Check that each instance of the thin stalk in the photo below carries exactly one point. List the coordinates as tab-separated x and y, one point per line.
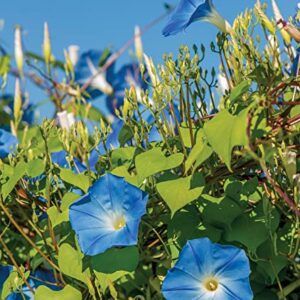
12	220
117	54
21	273
188	112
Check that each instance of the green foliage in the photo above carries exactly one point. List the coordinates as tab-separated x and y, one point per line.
224	167
154	161
179	192
231	130
68	293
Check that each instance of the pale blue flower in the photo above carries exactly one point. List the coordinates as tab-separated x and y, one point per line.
189	11
108	215
207	271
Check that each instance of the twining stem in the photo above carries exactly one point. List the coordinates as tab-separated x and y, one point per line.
12	220
188	113
289	289
158	236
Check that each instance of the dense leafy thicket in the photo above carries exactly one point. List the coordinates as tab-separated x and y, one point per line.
98	203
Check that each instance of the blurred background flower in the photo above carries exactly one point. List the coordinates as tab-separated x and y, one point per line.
8	143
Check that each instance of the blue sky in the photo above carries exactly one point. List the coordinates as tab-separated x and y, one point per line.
100	23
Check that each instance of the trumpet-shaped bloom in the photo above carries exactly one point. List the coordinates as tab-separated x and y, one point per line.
87	71
108	215
8	143
209	271
189	11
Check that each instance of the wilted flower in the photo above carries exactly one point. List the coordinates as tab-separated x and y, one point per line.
87	71
8	143
66	120
108	215
189	11
209	271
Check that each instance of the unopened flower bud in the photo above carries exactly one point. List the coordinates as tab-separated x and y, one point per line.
293	32
126	107
151	70
18	102
222	84
19	49
47	44
68	62
264	19
290	163
138	44
65	120
103	126
73	51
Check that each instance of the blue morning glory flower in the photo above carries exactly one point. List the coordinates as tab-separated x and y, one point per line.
209	271
86	67
108	215
8	143
189	11
129	75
